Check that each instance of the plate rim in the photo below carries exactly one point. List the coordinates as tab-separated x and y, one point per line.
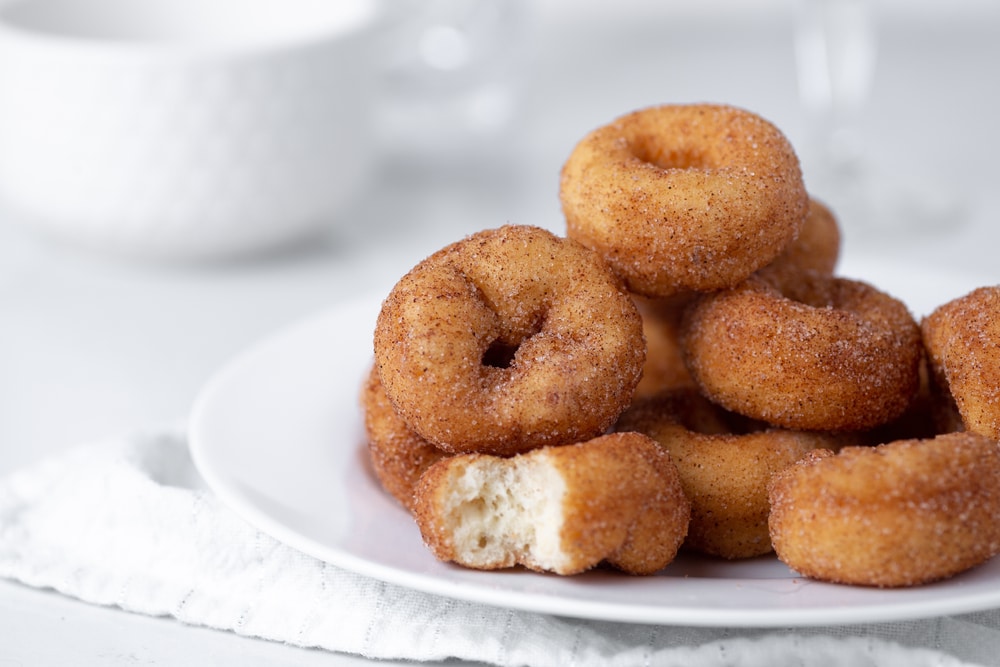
973	598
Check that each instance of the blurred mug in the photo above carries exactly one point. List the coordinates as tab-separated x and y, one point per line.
184	128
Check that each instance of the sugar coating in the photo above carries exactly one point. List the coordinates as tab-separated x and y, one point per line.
684	197
824	353
398	455
725	465
508	340
661	322
901	514
816	248
962	338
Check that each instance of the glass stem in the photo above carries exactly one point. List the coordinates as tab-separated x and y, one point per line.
836	44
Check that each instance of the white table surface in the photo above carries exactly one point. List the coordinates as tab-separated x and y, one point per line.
92	347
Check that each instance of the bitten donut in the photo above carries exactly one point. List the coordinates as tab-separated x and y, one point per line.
614	499
725	464
901	514
684	197
398	455
962	338
508	340
819	353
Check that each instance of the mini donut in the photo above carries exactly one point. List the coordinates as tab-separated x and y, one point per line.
508	340
398	455
817	247
684	197
930	413
900	514
661	324
962	338
819	353
725	463
615	499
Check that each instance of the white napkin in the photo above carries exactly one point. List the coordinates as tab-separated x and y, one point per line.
128	523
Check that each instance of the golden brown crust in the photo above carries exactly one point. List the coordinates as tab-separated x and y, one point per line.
817	247
508	340
661	324
622	504
962	338
929	414
823	353
398	455
684	197
902	514
725	464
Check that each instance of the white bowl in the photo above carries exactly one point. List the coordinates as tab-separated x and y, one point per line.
184	128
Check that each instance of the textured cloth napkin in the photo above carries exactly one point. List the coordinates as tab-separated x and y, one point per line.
129	523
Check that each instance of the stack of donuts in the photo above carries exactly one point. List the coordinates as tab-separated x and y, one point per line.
685	370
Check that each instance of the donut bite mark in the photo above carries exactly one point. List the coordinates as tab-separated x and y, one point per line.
615	499
684	197
508	340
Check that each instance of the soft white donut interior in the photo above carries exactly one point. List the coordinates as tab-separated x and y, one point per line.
508	510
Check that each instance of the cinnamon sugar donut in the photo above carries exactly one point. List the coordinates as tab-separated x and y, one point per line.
614	499
661	323
901	514
508	340
962	338
929	414
816	248
684	197
398	455
819	353
725	464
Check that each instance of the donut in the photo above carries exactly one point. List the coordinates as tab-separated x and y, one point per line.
900	514
816	248
725	463
819	353
962	338
398	455
929	414
684	197
509	340
615	499
661	322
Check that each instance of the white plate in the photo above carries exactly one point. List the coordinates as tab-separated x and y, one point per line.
278	436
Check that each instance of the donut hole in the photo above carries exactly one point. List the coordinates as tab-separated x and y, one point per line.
669	157
500	354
